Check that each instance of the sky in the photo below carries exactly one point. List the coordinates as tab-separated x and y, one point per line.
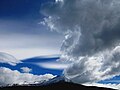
37	66
28	50
87	32
21	33
30	70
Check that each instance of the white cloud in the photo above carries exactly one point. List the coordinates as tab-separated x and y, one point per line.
6	58
24	46
49	56
26	69
8	76
59	0
92	37
113	86
53	65
23	53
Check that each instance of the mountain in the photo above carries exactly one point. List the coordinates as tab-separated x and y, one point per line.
54	84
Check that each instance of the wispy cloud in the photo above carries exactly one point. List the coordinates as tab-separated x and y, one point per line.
20	36
53	65
9	59
24	46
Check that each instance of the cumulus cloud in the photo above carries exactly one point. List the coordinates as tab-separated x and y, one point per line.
92	36
8	76
101	66
26	69
6	58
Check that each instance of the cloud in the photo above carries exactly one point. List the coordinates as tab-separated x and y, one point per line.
113	86
23	53
6	58
8	76
92	36
101	66
53	65
73	18
25	46
26	69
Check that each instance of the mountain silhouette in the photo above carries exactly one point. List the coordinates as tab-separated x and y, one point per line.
54	84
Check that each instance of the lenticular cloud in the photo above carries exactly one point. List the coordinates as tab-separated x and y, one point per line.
92	37
7	58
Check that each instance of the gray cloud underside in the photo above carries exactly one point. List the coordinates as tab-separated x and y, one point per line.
92	37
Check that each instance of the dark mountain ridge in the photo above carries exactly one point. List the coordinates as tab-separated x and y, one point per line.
54	84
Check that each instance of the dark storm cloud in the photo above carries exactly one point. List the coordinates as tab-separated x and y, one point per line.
92	34
76	16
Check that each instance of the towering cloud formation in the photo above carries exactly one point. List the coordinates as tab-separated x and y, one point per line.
92	37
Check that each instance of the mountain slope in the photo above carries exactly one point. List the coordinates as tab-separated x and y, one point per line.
54	84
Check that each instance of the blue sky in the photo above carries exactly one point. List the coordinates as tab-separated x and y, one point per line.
20	31
32	64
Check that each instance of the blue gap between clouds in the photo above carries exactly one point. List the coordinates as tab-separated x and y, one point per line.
36	70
